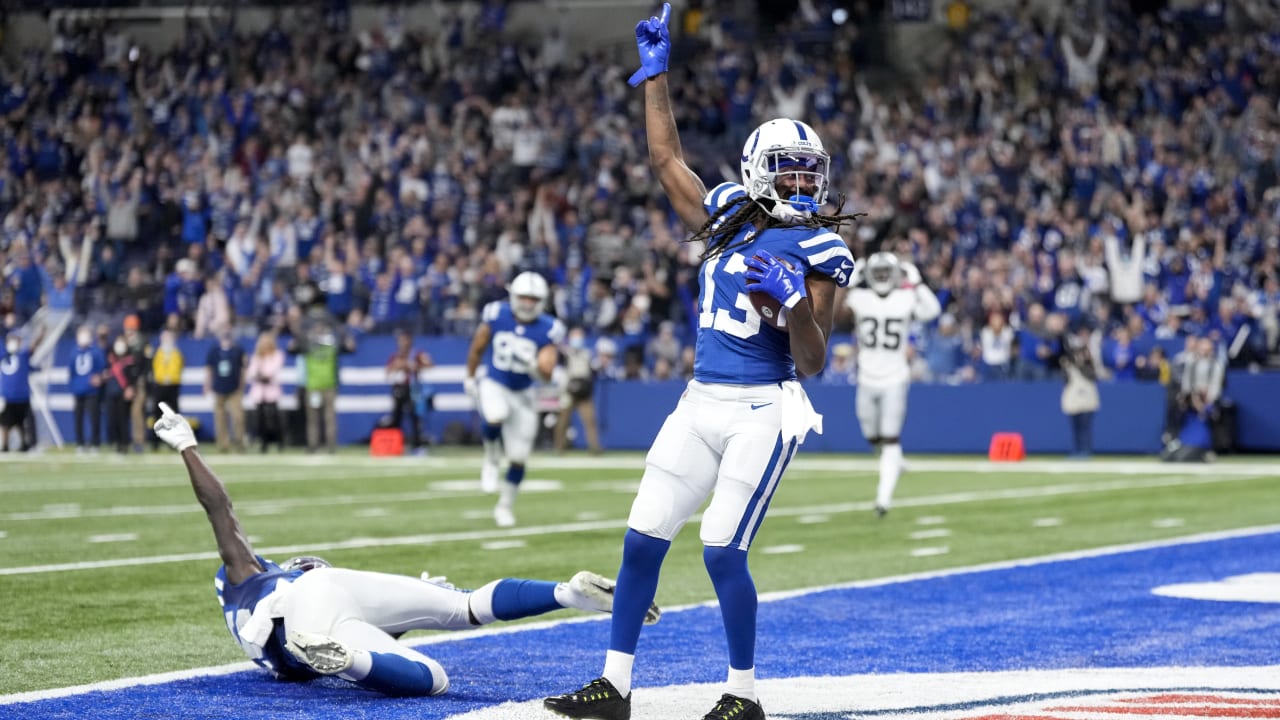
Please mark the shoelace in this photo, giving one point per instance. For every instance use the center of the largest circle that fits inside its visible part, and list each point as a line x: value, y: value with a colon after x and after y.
x: 587, y: 693
x: 728, y: 708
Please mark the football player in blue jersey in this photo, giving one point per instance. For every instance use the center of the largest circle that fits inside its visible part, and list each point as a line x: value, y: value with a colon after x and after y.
x: 743, y: 415
x: 305, y: 618
x: 517, y: 343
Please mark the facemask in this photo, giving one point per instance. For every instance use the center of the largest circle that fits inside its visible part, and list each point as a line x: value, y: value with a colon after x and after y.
x: 83, y: 339
x: 120, y: 347
x: 13, y: 346
x: 166, y: 343
x: 577, y: 343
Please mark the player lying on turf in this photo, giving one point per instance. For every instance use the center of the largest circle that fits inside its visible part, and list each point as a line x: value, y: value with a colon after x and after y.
x: 305, y: 618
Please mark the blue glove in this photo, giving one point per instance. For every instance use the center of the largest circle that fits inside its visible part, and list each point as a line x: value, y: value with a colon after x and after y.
x: 768, y: 274
x: 654, y: 42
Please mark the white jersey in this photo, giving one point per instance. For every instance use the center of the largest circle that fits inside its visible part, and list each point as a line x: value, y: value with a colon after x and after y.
x: 883, y: 324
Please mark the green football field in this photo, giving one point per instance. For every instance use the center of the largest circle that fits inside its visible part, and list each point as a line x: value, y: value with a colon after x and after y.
x: 106, y: 564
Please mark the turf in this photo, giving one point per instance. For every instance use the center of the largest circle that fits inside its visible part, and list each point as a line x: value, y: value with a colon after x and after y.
x: 66, y: 626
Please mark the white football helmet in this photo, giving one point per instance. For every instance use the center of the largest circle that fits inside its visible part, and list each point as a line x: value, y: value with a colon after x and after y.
x: 883, y: 272
x: 528, y: 293
x: 787, y: 153
x: 305, y: 563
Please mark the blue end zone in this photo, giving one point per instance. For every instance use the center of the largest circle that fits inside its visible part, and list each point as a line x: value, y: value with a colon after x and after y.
x: 1096, y: 612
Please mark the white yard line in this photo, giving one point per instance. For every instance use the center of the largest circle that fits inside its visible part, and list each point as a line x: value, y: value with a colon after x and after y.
x: 248, y: 507
x: 161, y: 678
x: 615, y: 524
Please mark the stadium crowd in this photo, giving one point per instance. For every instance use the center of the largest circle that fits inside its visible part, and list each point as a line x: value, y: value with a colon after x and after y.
x: 1086, y: 170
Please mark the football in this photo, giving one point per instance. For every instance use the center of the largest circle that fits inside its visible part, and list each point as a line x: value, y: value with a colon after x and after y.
x: 769, y: 309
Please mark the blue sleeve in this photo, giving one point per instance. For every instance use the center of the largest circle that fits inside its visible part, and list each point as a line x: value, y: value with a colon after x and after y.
x: 827, y: 254
x: 722, y: 195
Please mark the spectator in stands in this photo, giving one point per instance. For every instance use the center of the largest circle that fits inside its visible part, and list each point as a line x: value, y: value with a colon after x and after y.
x: 24, y: 277
x: 15, y: 388
x: 124, y: 372
x: 607, y: 367
x: 1154, y: 367
x: 213, y: 310
x: 995, y: 348
x: 166, y: 375
x: 88, y: 365
x: 842, y: 370
x: 1037, y: 345
x: 579, y: 392
x: 263, y: 379
x: 224, y: 382
x: 945, y: 351
x: 404, y: 369
x: 1119, y: 356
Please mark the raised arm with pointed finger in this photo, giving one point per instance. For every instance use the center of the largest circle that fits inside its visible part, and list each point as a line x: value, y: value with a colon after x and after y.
x: 684, y: 189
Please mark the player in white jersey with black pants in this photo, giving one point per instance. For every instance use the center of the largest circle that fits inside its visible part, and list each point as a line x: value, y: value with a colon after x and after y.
x: 890, y: 297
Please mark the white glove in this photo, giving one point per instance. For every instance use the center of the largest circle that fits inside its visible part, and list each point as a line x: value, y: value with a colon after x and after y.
x: 470, y: 387
x: 440, y: 580
x: 912, y: 274
x: 174, y: 429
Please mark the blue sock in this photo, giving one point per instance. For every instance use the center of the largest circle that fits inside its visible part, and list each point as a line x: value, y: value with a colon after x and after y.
x: 398, y: 676
x: 642, y: 557
x: 514, y: 599
x: 737, y: 594
x: 515, y: 473
x: 489, y: 431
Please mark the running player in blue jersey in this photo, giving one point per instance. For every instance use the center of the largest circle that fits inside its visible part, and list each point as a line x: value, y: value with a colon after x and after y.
x: 517, y: 342
x: 743, y: 415
x: 305, y: 618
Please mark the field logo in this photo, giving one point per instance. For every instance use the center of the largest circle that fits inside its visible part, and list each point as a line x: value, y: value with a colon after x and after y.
x: 1092, y: 694
x: 1259, y: 587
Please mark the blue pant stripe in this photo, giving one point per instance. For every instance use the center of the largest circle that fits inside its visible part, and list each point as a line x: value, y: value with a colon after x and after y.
x: 761, y: 489
x: 791, y: 453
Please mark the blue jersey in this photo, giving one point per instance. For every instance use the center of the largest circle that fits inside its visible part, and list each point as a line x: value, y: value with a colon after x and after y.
x: 734, y: 347
x: 15, y: 375
x: 512, y: 355
x: 85, y: 364
x: 238, y: 605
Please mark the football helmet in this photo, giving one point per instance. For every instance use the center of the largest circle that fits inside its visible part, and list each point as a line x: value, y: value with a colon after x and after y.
x: 787, y: 157
x: 528, y: 293
x: 305, y: 563
x: 884, y: 272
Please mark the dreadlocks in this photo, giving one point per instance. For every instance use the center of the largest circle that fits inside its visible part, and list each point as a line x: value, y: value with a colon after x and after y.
x: 718, y: 232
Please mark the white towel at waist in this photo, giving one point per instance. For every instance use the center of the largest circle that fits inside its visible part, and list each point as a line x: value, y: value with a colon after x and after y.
x: 798, y: 415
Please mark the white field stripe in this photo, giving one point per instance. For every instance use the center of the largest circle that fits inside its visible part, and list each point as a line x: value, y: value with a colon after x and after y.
x: 113, y: 538
x: 356, y: 543
x: 259, y: 507
x: 178, y: 479
x: 463, y: 636
x: 930, y: 534
x: 930, y: 551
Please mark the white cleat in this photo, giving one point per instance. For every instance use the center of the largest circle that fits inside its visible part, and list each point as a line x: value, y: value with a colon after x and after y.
x: 597, y: 593
x: 488, y: 479
x: 321, y: 652
x: 503, y: 516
